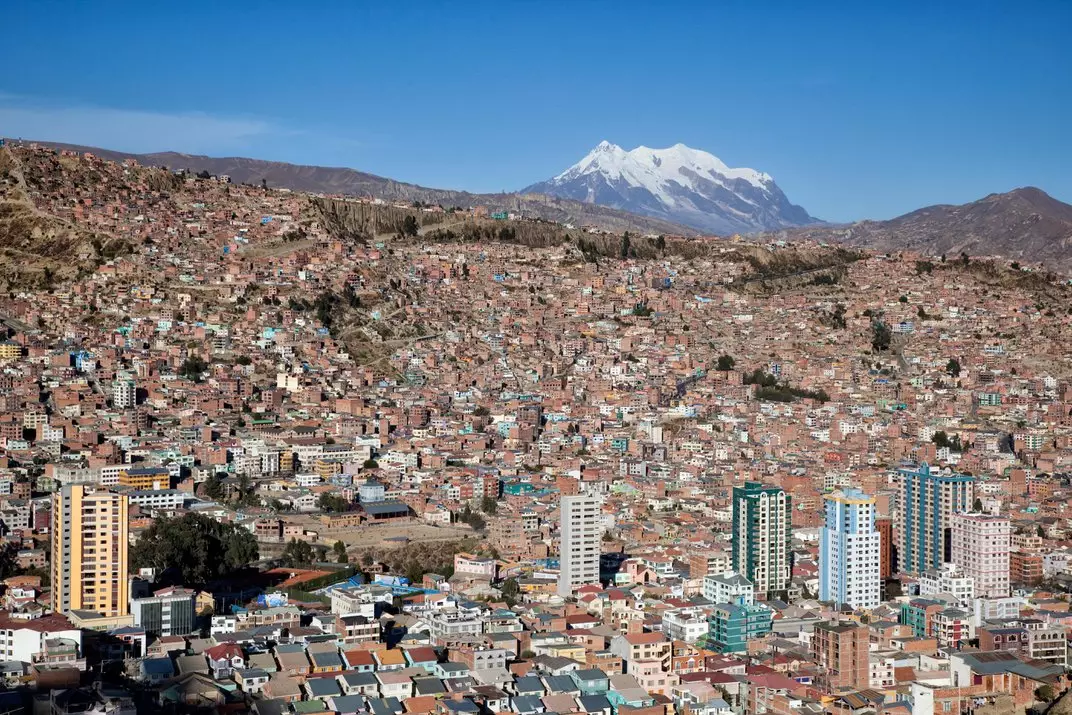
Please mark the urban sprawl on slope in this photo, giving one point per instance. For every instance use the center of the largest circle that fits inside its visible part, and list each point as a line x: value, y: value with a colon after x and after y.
x: 288, y: 454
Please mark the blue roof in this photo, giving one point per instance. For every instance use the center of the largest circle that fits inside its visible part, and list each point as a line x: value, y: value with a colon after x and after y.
x: 158, y: 666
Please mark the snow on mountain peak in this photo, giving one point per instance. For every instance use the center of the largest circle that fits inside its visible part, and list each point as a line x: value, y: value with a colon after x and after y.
x: 653, y: 169
x: 679, y: 183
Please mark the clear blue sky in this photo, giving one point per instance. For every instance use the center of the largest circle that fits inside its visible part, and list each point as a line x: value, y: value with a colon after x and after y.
x: 857, y: 109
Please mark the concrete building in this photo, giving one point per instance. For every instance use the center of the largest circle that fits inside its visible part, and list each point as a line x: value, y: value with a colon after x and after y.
x: 29, y: 641
x: 732, y: 625
x: 89, y: 551
x: 948, y: 579
x: 728, y: 587
x: 981, y: 547
x: 886, y: 560
x: 168, y: 612
x: 371, y: 491
x: 761, y: 530
x: 925, y: 502
x: 124, y: 392
x: 580, y: 530
x: 849, y: 560
x: 685, y: 624
x: 842, y: 652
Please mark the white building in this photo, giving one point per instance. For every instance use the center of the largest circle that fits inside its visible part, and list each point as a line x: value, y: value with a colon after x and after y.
x: 124, y: 392
x: 728, y: 587
x: 685, y: 624
x: 849, y: 551
x: 360, y: 600
x: 981, y: 545
x: 25, y: 641
x: 580, y: 530
x: 457, y: 625
x: 948, y: 579
x: 162, y: 499
x: 881, y: 671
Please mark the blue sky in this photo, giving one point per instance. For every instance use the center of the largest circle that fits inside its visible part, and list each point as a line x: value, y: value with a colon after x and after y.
x: 857, y: 109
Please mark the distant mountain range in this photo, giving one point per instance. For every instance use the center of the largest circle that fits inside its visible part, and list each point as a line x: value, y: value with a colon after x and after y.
x: 336, y: 180
x: 678, y: 184
x: 1027, y: 225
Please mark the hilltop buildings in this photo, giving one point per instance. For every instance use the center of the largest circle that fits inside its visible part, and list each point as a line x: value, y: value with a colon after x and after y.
x: 574, y: 481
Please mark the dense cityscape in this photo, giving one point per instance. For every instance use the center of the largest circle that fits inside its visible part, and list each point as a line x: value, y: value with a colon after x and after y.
x: 272, y: 452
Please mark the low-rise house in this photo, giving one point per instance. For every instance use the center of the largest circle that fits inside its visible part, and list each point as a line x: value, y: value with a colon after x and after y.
x: 251, y: 680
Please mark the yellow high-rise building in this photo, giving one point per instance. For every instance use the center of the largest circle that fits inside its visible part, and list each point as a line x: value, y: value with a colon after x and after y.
x: 89, y: 551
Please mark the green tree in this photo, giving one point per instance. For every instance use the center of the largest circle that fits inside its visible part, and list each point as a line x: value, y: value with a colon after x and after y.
x: 409, y: 226
x: 510, y: 590
x: 192, y: 367
x: 725, y: 363
x: 298, y: 553
x: 953, y: 367
x: 941, y: 439
x: 881, y: 337
x: 214, y: 488
x: 488, y: 505
x: 332, y: 503
x: 977, y: 505
x: 198, y: 548
x: 340, y: 552
x: 326, y: 303
x: 370, y: 464
x: 246, y: 495
x: 1045, y: 693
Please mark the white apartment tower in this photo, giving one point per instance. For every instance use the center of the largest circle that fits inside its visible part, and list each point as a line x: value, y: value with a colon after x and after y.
x: 581, y: 530
x: 981, y: 545
x: 124, y: 392
x: 849, y: 551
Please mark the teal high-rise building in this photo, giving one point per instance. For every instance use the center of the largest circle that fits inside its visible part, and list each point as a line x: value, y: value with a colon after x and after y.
x: 732, y: 625
x: 926, y: 501
x: 762, y: 524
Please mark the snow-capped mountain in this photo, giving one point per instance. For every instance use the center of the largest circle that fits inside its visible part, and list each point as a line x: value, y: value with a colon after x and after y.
x: 681, y: 184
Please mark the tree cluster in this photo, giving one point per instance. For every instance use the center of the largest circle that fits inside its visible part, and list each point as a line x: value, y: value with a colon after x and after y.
x: 472, y: 518
x: 301, y: 553
x: 881, y: 336
x: 333, y: 503
x: 198, y: 549
x: 942, y: 439
x: 770, y: 389
x: 192, y: 367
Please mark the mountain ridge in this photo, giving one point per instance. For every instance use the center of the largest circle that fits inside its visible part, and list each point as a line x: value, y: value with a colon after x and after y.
x: 680, y: 184
x: 352, y: 182
x: 1025, y: 224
